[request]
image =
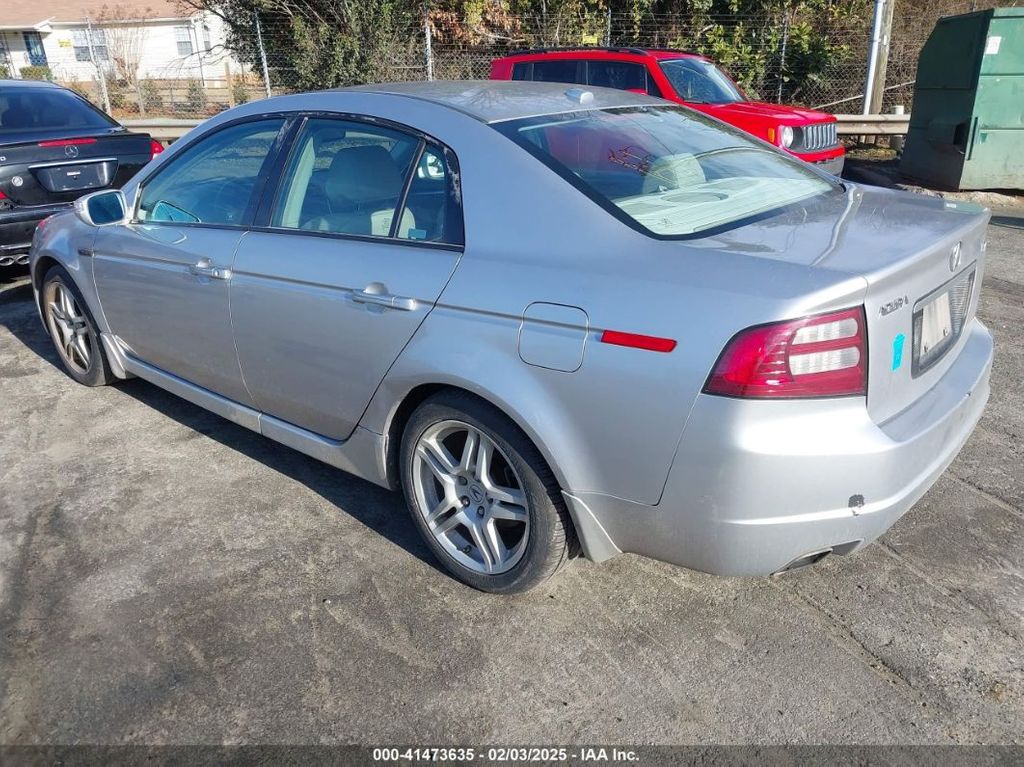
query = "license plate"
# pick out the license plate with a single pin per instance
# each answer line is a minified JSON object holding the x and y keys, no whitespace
{"x":939,"y":319}
{"x":936,"y":324}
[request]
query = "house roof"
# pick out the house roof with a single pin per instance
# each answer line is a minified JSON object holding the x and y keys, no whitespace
{"x":30,"y":14}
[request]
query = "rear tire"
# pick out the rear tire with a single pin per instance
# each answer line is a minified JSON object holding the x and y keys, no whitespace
{"x":73,"y":330}
{"x":482,"y":496}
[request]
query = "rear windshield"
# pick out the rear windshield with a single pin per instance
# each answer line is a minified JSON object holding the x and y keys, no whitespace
{"x":670,"y":170}
{"x":24,"y":110}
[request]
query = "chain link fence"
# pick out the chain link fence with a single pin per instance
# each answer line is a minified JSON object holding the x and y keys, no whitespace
{"x":795,"y":57}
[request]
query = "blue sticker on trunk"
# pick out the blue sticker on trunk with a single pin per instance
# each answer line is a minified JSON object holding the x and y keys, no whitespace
{"x":897,"y":351}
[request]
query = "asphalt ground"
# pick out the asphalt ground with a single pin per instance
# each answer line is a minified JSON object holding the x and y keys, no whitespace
{"x":169,"y":577}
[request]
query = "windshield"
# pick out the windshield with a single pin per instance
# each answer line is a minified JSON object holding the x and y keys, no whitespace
{"x":700,"y":81}
{"x":669,"y":169}
{"x":35,"y":109}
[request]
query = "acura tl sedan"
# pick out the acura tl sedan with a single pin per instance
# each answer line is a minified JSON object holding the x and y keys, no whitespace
{"x":562,"y":321}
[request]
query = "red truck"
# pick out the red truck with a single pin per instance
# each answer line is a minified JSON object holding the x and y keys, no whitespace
{"x":689,"y":79}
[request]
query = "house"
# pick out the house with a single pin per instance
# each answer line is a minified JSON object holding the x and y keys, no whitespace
{"x":126,"y":39}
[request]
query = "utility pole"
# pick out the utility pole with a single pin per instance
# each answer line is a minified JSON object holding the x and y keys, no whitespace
{"x":878,"y":92}
{"x":428,"y":42}
{"x":263,"y":54}
{"x":878,"y":56}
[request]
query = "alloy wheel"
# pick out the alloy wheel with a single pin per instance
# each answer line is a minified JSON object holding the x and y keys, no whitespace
{"x":475,"y":506}
{"x":68,"y":326}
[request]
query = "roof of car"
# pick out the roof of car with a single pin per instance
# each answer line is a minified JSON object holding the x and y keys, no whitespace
{"x":604,"y":51}
{"x":499,"y":100}
{"x":27,"y":84}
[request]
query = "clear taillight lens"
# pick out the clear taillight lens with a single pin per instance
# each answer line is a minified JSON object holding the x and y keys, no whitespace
{"x":821,"y":356}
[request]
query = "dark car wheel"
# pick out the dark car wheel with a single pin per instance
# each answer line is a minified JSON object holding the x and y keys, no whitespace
{"x":482,"y":496}
{"x":73,"y":330}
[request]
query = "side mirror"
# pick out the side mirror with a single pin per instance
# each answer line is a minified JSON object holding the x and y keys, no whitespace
{"x":102,"y":208}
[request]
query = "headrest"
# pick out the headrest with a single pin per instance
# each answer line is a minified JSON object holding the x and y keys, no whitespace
{"x":363,"y":173}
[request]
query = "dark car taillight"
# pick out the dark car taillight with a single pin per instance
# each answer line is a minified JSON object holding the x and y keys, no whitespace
{"x":825,"y":355}
{"x":155,"y":148}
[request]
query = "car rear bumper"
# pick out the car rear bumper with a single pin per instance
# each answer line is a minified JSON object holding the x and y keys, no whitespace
{"x":759,"y":485}
{"x":17,"y":226}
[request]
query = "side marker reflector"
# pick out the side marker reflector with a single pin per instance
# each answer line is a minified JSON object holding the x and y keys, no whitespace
{"x":637,"y":341}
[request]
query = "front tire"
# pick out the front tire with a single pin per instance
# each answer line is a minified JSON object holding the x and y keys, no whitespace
{"x":73,"y":330}
{"x":482,"y":496}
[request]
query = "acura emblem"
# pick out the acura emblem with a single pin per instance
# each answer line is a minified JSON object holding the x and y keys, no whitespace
{"x":71,"y":150}
{"x":954,"y":258}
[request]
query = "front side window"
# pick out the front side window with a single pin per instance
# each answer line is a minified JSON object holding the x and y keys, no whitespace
{"x":354,"y":178}
{"x":700,"y":82}
{"x":668,"y":169}
{"x":212,"y":181}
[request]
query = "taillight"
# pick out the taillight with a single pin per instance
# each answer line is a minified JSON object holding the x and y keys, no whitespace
{"x":821,"y":356}
{"x":68,"y":142}
{"x":155,"y":148}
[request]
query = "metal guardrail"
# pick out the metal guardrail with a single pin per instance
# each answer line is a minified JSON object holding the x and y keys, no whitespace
{"x":167,"y":130}
{"x":873,"y":125}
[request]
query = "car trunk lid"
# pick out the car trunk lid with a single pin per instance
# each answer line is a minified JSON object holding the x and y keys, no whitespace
{"x":59,"y":168}
{"x":921,"y":258}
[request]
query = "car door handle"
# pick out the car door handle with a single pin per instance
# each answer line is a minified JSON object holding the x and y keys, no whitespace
{"x":205,"y":268}
{"x":387,"y":300}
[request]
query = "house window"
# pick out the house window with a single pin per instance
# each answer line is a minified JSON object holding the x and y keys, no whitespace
{"x":183,"y":36}
{"x":80,"y":39}
{"x":34,"y":48}
{"x":206,"y":38}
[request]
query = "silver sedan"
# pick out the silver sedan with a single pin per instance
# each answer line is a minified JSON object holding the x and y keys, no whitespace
{"x":562,"y":321}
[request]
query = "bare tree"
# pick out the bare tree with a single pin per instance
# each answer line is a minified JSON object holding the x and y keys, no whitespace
{"x":125,"y":29}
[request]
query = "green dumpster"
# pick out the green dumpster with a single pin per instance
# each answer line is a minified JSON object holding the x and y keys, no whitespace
{"x":967,"y":122}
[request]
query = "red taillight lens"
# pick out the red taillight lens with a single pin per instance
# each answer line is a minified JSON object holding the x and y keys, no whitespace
{"x":155,"y":148}
{"x":68,"y":142}
{"x":821,"y":356}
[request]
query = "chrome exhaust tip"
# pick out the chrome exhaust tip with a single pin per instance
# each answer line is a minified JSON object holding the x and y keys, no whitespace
{"x":6,"y":260}
{"x":813,"y":557}
{"x":22,"y":260}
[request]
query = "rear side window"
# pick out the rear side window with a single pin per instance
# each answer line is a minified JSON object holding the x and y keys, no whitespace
{"x":212,"y":181}
{"x":560,"y":71}
{"x":618,"y":74}
{"x":521,"y":71}
{"x":39,"y":109}
{"x":345,"y":178}
{"x":354,"y":178}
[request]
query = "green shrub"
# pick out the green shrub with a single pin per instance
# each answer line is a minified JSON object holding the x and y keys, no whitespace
{"x":36,"y":73}
{"x":115,"y":92}
{"x":152,"y":96}
{"x":240,"y":93}
{"x":195,"y":97}
{"x":5,"y":73}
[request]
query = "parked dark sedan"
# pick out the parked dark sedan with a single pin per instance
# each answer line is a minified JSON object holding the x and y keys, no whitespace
{"x":54,"y":147}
